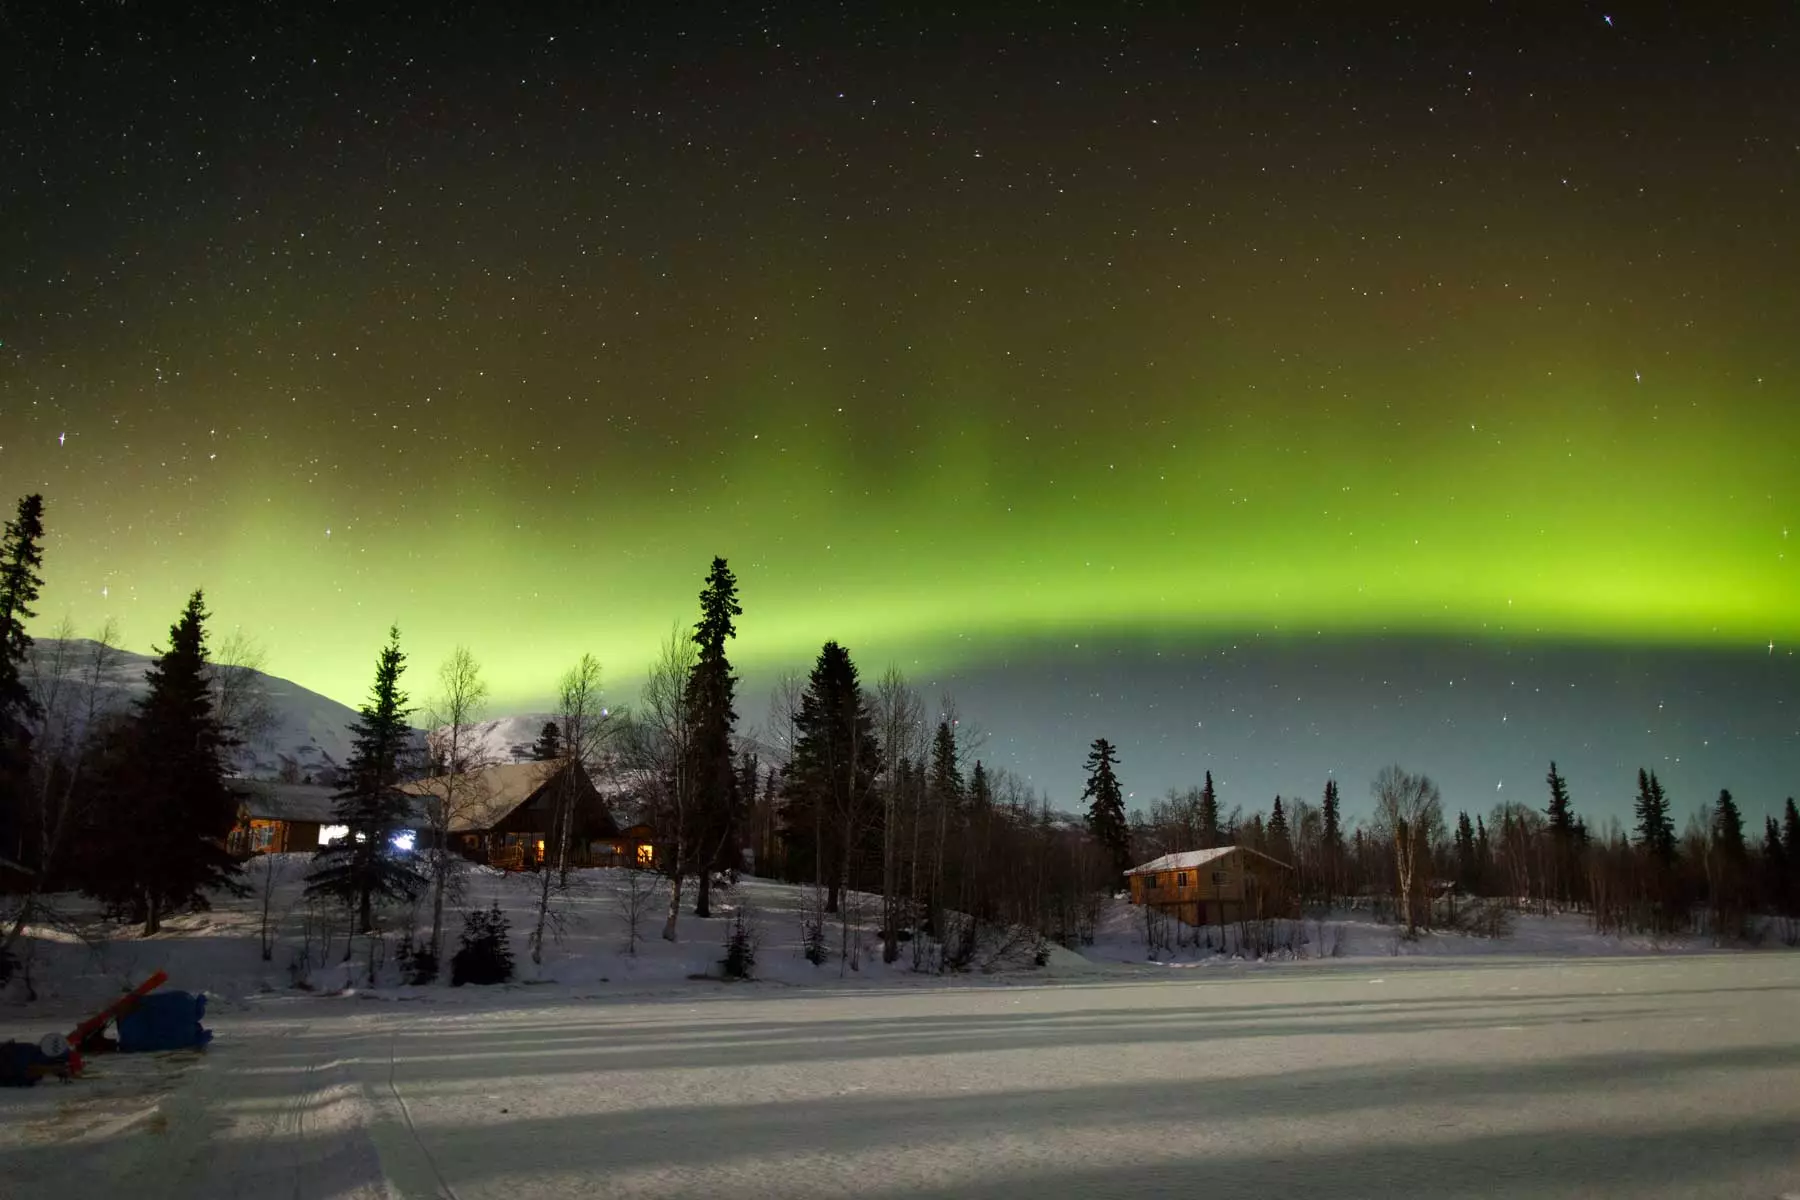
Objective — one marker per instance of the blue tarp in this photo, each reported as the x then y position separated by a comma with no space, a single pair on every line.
164,1021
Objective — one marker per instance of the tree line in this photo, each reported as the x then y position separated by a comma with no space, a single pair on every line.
1713,877
876,799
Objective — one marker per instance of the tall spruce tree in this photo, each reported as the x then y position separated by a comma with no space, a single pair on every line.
1655,827
1331,839
831,776
1774,867
1728,829
157,843
711,692
1560,815
1468,874
1280,845
21,556
1790,855
365,863
945,783
548,747
1208,816
1106,807
1559,812
1331,833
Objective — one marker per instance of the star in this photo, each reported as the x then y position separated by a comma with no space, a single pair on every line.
61,438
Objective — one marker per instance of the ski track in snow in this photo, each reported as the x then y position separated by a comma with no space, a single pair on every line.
1674,1076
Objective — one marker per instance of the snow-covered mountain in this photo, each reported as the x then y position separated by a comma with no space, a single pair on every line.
509,739
305,734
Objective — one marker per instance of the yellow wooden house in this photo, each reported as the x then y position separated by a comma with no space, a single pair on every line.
1214,887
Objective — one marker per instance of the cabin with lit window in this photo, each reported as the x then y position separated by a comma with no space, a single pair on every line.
505,816
280,818
1214,887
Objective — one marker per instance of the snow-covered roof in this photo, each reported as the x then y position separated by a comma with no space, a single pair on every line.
290,802
489,796
1187,860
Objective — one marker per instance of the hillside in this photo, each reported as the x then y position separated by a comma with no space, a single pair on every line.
303,728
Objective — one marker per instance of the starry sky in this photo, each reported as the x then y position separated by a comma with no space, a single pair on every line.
1274,389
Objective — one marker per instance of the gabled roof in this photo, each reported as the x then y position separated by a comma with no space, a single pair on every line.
289,802
487,797
1187,860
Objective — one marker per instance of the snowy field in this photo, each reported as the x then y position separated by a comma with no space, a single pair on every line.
1443,1077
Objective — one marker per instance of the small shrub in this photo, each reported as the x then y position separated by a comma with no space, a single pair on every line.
740,948
812,941
418,965
484,956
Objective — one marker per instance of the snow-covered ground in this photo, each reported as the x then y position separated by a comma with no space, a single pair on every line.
1656,1076
1550,1062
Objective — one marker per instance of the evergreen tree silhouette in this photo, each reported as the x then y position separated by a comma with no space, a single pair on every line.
158,845
1331,833
1655,828
1279,844
365,864
548,747
1210,833
21,556
832,772
1106,808
711,692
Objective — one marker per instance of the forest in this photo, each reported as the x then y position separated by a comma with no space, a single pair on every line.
868,793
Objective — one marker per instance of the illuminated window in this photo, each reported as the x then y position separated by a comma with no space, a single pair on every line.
646,855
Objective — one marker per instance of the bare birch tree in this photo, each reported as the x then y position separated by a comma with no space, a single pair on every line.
234,669
662,756
457,784
900,718
1409,812
580,717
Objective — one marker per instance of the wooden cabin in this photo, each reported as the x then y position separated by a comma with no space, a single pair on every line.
505,815
281,818
1214,887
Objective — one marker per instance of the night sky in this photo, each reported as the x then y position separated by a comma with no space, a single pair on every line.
1274,389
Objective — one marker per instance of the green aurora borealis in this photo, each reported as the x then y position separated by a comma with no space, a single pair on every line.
961,344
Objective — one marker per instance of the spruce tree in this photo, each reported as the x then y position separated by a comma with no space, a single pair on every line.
1279,844
1561,818
158,843
1655,828
1775,867
1106,808
548,747
1210,834
1728,829
1790,853
981,789
1468,875
1561,815
946,782
365,863
1484,855
1332,832
711,691
21,556
831,776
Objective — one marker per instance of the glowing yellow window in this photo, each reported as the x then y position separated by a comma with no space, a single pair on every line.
646,854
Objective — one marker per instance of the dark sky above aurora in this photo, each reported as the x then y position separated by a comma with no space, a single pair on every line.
1277,390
